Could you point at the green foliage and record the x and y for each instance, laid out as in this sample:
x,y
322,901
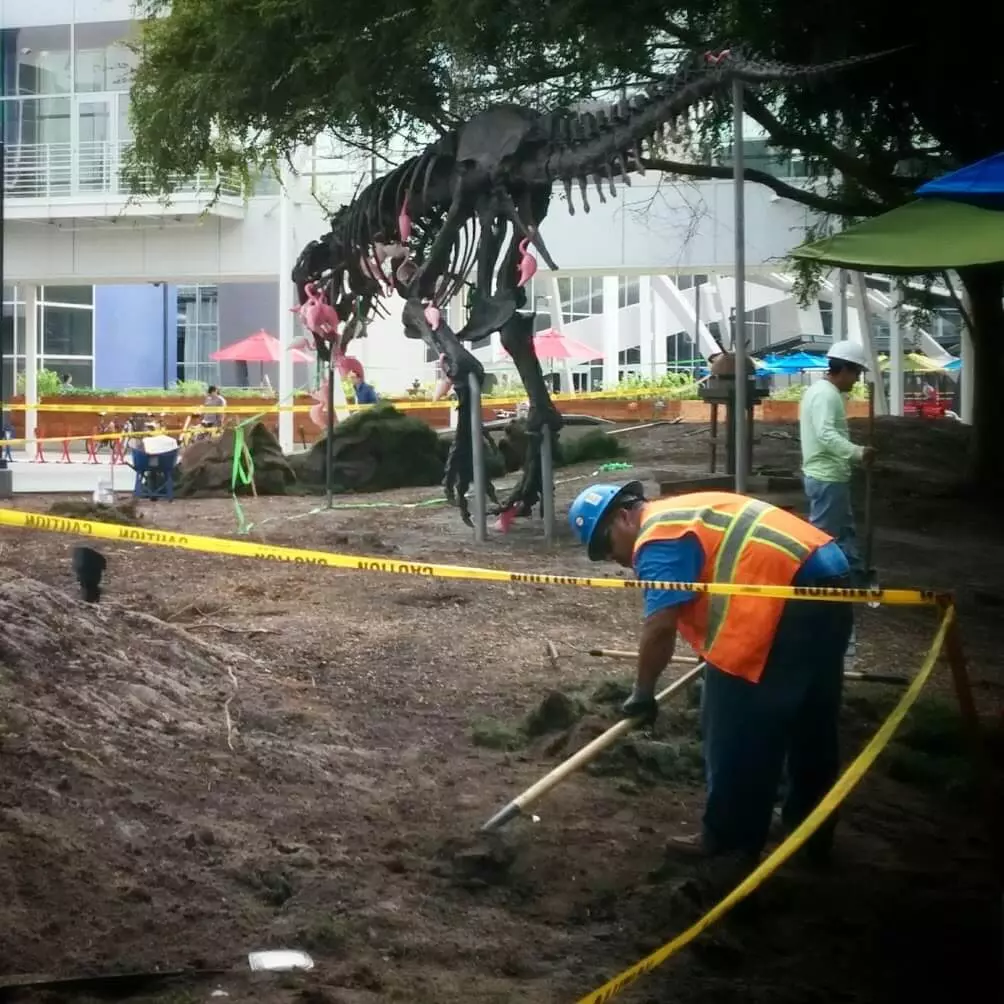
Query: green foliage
x,y
675,386
795,391
48,383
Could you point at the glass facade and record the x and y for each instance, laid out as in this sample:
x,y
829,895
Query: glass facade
x,y
65,320
65,106
198,333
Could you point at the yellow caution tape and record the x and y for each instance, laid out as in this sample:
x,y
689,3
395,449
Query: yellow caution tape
x,y
858,768
363,563
265,407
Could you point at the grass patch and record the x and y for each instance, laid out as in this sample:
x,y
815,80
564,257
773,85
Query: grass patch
x,y
930,751
493,734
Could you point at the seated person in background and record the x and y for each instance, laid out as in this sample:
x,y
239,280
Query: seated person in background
x,y
214,399
365,394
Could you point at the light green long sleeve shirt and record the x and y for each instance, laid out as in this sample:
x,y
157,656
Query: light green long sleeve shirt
x,y
827,451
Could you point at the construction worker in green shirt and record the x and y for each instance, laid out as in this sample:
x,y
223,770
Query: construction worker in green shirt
x,y
828,455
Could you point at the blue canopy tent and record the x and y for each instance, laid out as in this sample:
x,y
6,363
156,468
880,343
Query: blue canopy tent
x,y
981,183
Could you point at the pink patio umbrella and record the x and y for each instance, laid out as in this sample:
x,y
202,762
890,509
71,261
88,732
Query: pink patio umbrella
x,y
261,347
551,344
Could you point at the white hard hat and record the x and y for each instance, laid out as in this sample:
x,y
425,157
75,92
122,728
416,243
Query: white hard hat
x,y
849,352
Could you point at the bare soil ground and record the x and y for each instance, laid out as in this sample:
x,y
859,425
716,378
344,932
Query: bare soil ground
x,y
229,755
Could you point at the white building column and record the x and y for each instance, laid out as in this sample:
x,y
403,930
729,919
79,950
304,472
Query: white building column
x,y
646,329
287,300
611,331
684,316
30,366
895,355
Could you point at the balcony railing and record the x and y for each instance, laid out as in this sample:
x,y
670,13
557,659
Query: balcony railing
x,y
90,172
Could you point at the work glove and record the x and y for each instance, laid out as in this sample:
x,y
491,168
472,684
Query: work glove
x,y
641,704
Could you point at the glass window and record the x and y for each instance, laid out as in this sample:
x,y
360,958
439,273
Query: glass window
x,y
104,62
581,296
80,371
208,311
68,294
67,331
34,121
36,60
7,331
628,294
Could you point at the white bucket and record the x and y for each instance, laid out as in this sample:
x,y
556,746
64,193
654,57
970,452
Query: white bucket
x,y
104,494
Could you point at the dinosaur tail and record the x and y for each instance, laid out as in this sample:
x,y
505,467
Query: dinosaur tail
x,y
609,143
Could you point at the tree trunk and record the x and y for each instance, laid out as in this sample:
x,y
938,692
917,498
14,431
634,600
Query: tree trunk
x,y
985,286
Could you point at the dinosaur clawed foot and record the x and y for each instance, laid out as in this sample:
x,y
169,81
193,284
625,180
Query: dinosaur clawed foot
x,y
526,493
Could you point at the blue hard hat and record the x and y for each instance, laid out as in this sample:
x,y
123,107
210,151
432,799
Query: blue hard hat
x,y
588,510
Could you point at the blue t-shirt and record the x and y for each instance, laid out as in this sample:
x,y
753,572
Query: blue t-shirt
x,y
681,560
365,394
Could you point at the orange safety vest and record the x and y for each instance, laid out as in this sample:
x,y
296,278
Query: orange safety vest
x,y
746,541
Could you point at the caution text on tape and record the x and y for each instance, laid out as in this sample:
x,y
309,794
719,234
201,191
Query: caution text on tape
x,y
363,563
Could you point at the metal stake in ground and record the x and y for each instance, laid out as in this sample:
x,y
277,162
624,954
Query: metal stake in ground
x,y
588,752
478,459
547,484
329,446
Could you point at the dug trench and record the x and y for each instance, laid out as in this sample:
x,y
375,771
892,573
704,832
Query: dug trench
x,y
225,756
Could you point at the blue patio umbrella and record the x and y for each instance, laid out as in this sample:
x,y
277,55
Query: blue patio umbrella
x,y
796,362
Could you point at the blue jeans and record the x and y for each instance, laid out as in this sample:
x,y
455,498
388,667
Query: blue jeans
x,y
752,730
830,510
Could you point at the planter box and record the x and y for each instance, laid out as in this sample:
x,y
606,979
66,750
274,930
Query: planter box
x,y
779,411
98,409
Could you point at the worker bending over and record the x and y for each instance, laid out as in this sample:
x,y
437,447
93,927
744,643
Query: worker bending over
x,y
774,667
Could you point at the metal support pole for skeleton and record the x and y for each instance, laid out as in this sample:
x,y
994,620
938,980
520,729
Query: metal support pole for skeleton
x,y
742,432
547,484
588,752
478,460
329,446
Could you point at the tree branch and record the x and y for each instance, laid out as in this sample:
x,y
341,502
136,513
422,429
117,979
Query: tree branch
x,y
810,199
814,144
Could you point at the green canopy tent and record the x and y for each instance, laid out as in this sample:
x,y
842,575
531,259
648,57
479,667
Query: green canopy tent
x,y
928,235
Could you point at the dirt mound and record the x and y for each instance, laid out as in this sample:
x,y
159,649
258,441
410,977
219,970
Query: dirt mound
x,y
376,450
74,675
122,512
207,466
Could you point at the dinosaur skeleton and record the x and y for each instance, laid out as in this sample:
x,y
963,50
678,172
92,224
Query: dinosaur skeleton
x,y
473,201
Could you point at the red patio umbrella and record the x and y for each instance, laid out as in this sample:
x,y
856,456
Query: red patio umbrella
x,y
261,347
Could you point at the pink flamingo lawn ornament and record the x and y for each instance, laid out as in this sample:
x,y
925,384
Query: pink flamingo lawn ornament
x,y
344,365
317,315
432,315
404,223
527,263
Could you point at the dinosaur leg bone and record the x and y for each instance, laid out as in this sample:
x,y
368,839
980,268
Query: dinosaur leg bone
x,y
458,363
